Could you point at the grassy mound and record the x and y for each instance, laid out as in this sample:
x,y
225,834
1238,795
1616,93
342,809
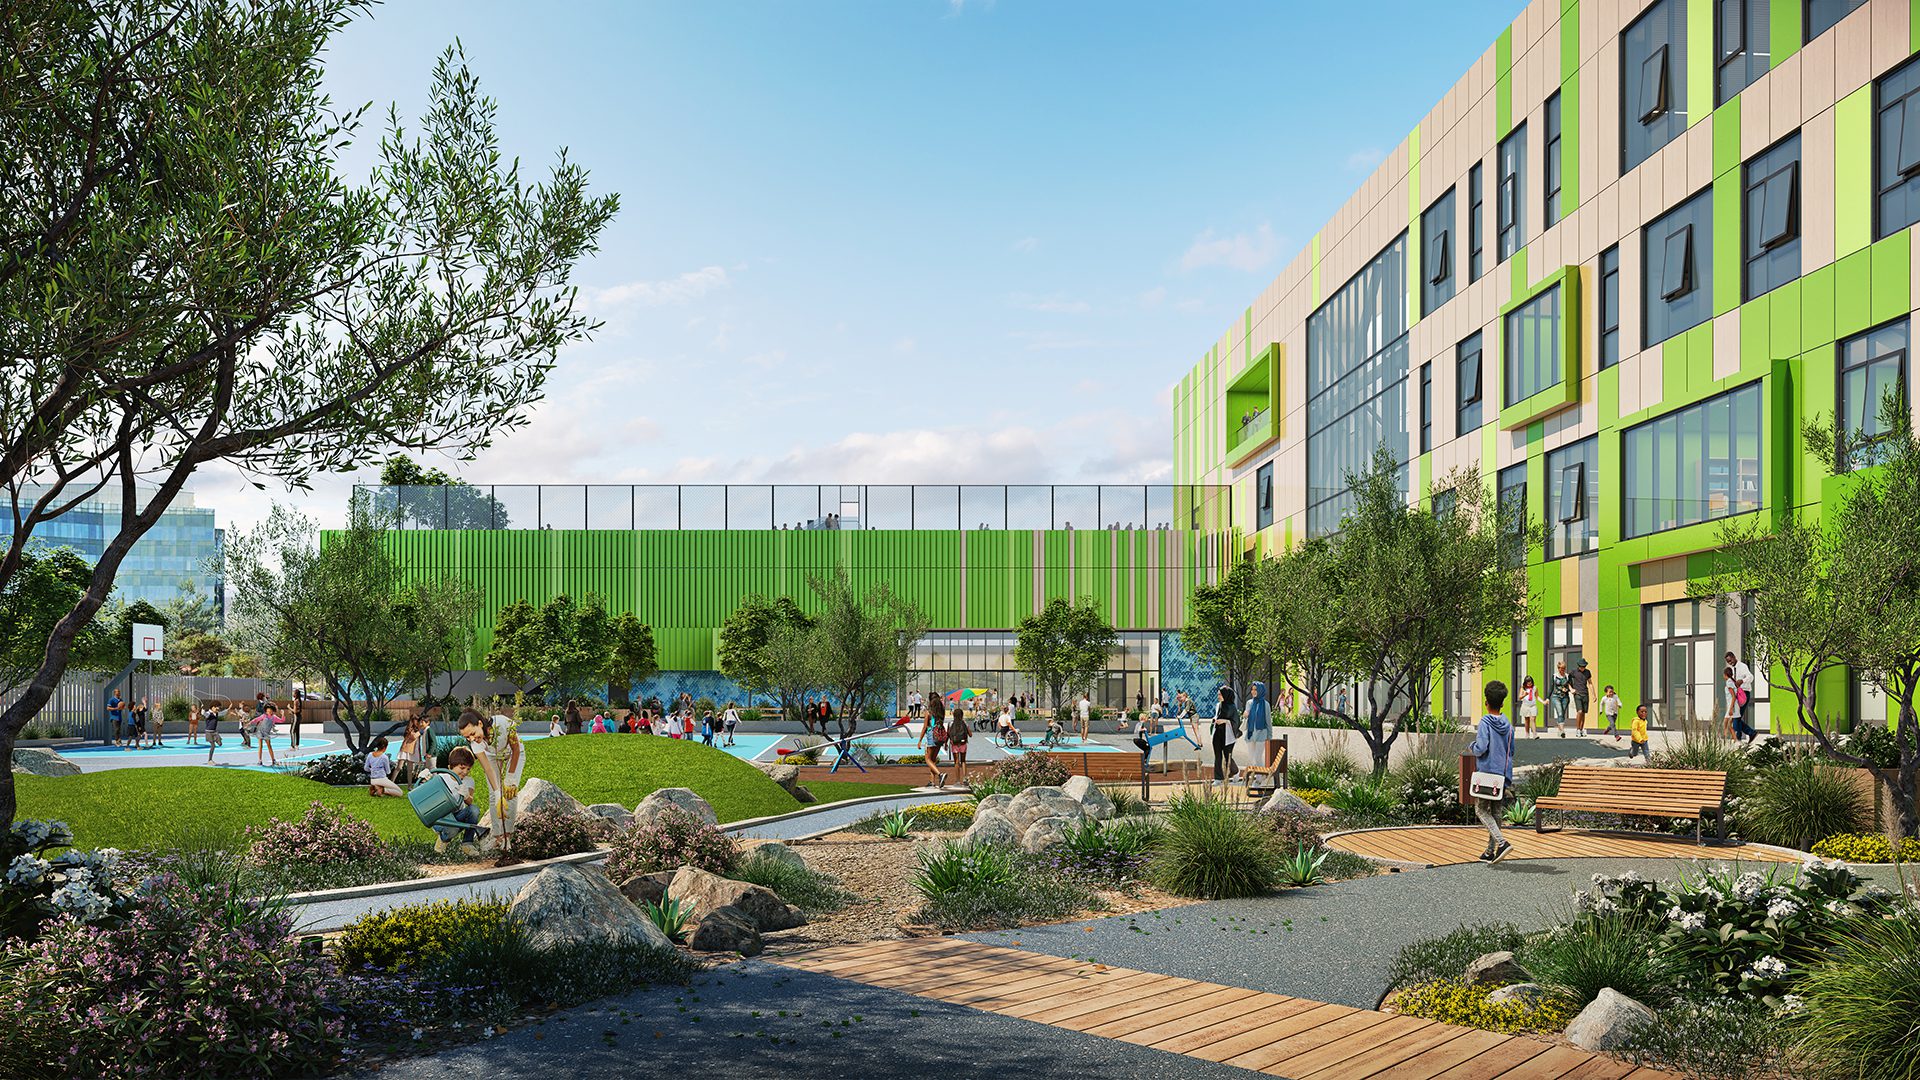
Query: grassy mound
x,y
169,807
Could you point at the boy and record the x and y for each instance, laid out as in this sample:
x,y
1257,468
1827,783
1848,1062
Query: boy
x,y
380,770
1610,708
706,728
1493,756
213,731
1639,735
460,760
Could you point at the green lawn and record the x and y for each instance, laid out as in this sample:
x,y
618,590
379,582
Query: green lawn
x,y
166,807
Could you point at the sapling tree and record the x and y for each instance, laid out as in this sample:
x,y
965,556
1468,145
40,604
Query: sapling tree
x,y
187,279
1064,645
1219,624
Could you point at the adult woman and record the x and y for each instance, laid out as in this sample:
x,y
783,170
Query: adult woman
x,y
575,721
1562,691
1259,728
957,735
933,735
496,746
1226,731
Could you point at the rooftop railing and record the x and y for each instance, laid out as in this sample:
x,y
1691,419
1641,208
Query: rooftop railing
x,y
1202,507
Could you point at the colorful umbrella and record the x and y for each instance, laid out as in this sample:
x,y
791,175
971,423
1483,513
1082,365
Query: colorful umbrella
x,y
967,694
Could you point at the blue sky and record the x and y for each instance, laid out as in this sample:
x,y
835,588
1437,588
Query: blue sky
x,y
911,240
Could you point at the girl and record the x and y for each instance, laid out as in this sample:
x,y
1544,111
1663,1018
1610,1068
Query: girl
x,y
406,764
193,722
729,721
933,735
380,769
1732,688
599,724
1529,703
555,728
263,743
957,735
1562,689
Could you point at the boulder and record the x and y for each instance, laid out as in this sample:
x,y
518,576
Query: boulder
x,y
612,813
1521,993
1606,1024
677,798
774,849
1494,967
991,827
1039,802
538,794
576,905
1090,797
40,761
1046,833
726,929
1286,802
997,803
710,892
787,776
647,888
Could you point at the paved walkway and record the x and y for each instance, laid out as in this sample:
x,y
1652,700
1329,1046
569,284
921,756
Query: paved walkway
x,y
1269,1033
1448,845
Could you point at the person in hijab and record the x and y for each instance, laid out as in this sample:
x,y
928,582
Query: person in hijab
x,y
1258,724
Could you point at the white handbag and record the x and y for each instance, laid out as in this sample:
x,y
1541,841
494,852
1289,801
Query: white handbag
x,y
1487,786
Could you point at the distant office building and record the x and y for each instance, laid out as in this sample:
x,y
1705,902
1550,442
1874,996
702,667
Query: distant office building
x,y
177,549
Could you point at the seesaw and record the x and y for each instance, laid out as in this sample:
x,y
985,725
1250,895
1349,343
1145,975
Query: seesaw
x,y
840,745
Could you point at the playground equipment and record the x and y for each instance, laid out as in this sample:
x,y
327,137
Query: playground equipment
x,y
841,746
1148,739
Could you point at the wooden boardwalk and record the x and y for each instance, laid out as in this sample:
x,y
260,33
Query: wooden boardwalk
x,y
1269,1033
1446,845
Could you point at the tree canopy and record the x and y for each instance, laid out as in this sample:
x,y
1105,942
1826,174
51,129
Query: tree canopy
x,y
569,646
1219,625
1064,646
433,499
744,637
186,278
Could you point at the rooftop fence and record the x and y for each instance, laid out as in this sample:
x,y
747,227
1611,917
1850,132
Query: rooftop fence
x,y
1203,507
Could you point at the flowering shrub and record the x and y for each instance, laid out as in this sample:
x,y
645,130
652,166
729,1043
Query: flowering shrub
x,y
417,935
675,839
343,770
1316,796
552,831
35,889
324,836
1030,770
169,990
1293,831
1452,1001
1867,848
950,816
1115,851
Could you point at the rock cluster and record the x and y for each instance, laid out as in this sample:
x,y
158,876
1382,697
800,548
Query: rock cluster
x,y
1039,817
40,761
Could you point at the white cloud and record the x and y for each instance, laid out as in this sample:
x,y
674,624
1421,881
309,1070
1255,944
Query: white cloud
x,y
673,291
1026,244
1240,251
1364,159
1190,305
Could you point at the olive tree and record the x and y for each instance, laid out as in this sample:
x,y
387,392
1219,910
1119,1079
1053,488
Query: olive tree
x,y
187,279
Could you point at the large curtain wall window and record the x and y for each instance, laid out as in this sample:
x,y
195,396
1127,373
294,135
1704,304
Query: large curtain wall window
x,y
1357,368
1683,663
1531,343
1696,464
1653,81
1872,371
948,660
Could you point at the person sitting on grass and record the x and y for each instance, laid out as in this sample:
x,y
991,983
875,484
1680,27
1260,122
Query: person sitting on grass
x,y
380,770
555,728
460,761
599,724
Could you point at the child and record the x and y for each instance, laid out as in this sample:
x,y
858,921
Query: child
x,y
263,737
380,769
460,760
554,728
193,722
1638,735
1529,703
1493,758
686,731
406,763
706,728
1610,708
730,721
599,724
139,725
213,732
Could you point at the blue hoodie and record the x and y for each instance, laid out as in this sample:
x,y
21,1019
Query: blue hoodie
x,y
1493,746
1259,714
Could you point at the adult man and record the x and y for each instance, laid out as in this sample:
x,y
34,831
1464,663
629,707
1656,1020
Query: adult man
x,y
1743,696
116,715
1581,684
1083,712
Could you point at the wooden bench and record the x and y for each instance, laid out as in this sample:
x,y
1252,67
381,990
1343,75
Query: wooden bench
x,y
1663,793
1262,780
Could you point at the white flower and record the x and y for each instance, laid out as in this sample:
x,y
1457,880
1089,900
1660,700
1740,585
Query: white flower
x,y
1841,908
1600,881
107,858
1604,906
1767,967
1792,1003
26,870
1582,900
1692,920
1782,908
1630,876
78,900
1747,886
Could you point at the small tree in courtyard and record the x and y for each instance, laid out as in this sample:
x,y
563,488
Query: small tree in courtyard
x,y
744,637
567,645
863,642
1219,625
1842,591
1064,645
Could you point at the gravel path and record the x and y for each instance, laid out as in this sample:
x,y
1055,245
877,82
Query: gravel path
x,y
732,1026
1333,943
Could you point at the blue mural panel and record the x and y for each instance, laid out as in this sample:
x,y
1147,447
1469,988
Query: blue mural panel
x,y
1181,670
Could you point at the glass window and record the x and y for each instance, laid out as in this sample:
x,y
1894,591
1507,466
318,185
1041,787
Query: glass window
x,y
1476,236
1512,499
1740,46
1357,368
1573,499
1531,344
1678,283
1700,463
1772,218
1820,16
1467,359
1550,160
1510,203
1896,149
1653,81
1263,496
1872,370
1436,254
1444,502
1610,306
1426,407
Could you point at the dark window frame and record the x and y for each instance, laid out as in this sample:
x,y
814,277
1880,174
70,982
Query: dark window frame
x,y
1469,393
1437,224
1510,195
1609,320
1684,424
1426,407
1905,154
1659,67
1769,250
1550,165
1807,32
1263,496
1677,279
1848,419
1476,222
1572,473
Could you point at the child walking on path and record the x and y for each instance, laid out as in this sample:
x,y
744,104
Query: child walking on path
x,y
1493,758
